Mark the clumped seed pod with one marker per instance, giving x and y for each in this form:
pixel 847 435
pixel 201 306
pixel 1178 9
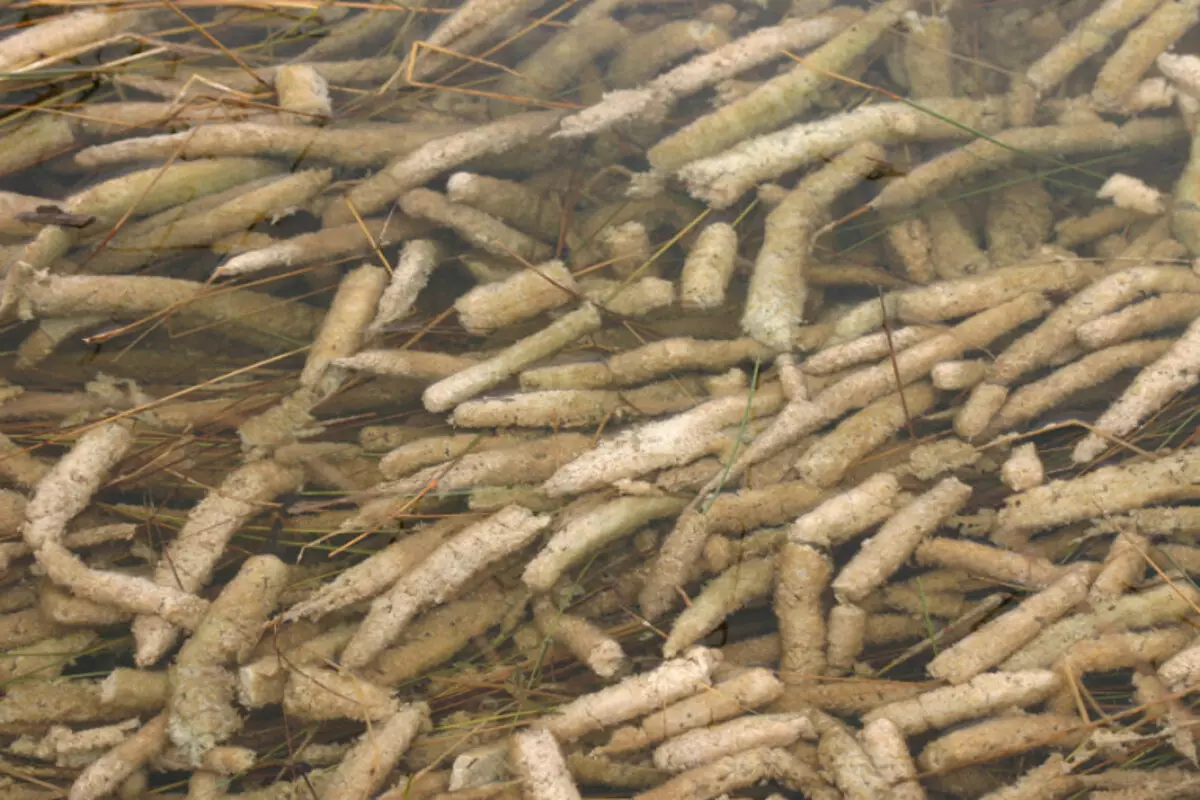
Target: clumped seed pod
pixel 200 710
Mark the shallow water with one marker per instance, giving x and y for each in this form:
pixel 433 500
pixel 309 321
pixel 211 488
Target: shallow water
pixel 265 169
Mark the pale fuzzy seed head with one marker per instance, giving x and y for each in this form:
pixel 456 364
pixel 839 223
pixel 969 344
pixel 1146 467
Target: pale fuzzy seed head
pixel 1129 192
pixel 1183 71
pixel 1023 468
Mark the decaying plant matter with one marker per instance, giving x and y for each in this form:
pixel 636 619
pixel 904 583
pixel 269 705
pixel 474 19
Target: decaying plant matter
pixel 612 398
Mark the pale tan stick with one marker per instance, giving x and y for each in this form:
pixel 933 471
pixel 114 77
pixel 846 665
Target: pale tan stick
pixel 982 695
pixel 67 488
pixel 538 761
pixel 744 691
pixel 439 576
pixel 200 710
pixel 1108 490
pixel 586 641
pixel 777 100
pixel 995 641
pixel 883 554
pixel 1176 371
pixel 417 168
pixel 342 330
pixel 106 773
pixel 447 393
pixel 189 559
pixel 364 769
pixel 632 697
pixel 701 746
